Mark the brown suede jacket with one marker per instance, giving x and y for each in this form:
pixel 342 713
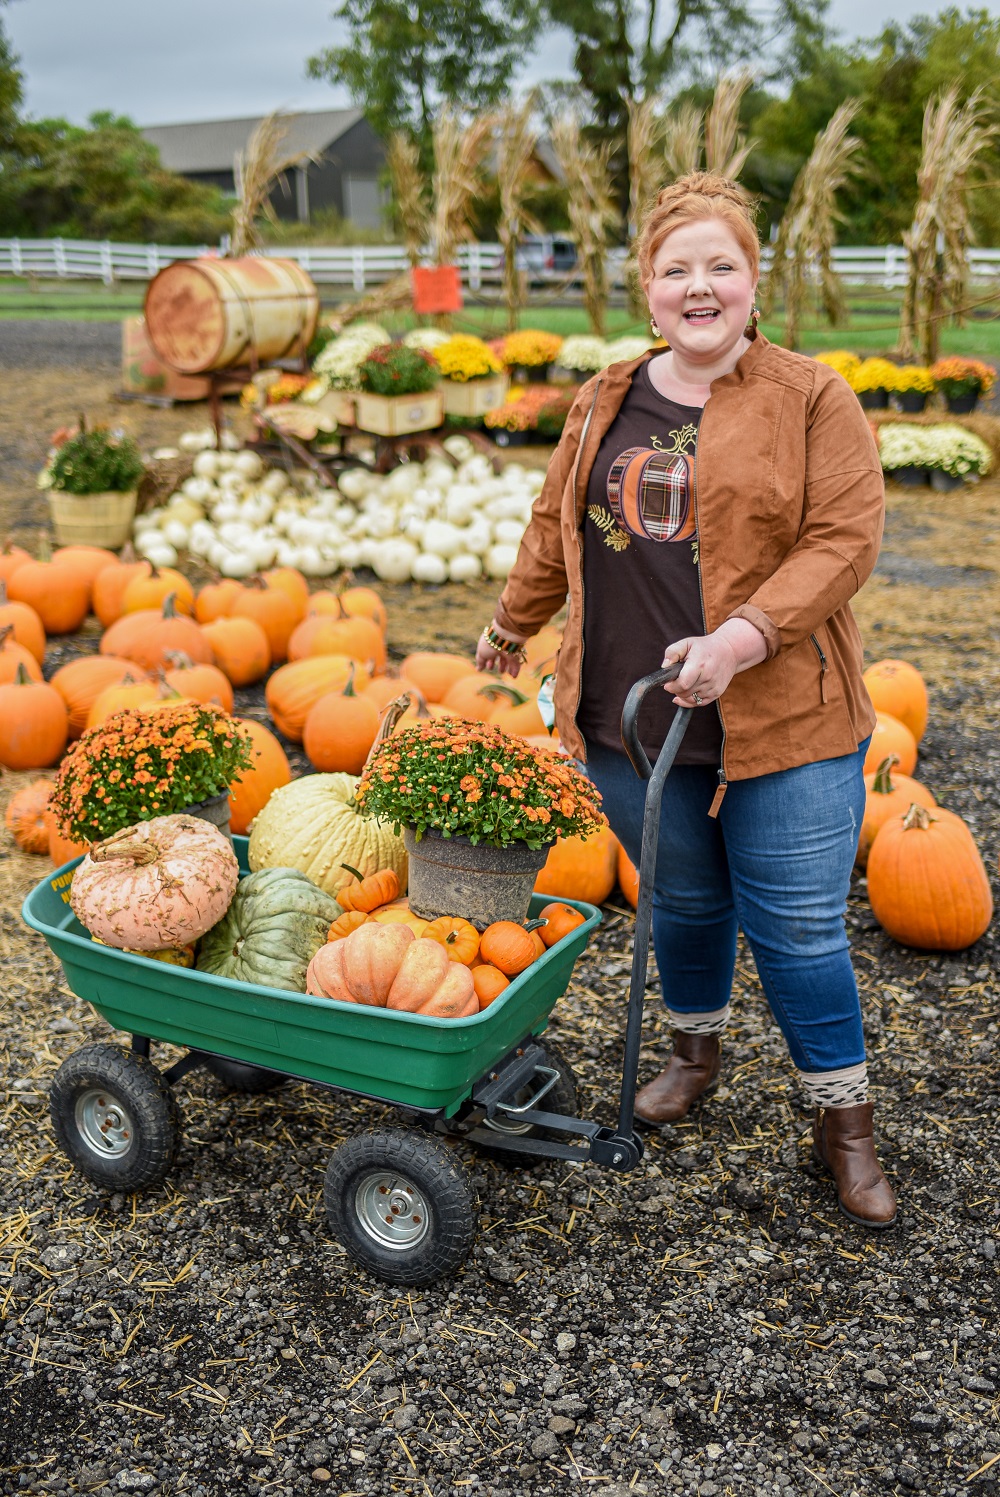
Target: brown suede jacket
pixel 789 500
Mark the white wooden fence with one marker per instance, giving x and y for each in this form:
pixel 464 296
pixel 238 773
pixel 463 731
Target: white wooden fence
pixel 358 268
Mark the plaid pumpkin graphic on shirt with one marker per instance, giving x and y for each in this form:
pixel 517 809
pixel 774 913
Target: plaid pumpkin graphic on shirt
pixel 651 494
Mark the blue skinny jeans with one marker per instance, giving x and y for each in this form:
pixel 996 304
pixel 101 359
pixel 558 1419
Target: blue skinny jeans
pixel 777 863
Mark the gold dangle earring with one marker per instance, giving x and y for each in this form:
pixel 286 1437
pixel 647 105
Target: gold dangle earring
pixel 751 326
pixel 653 328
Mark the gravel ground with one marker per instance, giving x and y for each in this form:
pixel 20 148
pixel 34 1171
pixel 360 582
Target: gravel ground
pixel 707 1324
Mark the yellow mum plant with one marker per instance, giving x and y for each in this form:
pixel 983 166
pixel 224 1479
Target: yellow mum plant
pixel 464 357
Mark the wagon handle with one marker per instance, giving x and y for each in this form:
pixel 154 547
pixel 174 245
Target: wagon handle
pixel 655 775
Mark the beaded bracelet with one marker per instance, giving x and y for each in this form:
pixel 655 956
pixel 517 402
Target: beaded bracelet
pixel 503 646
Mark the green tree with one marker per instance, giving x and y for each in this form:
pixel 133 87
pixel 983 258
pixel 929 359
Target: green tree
pixel 103 182
pixel 403 59
pixel 11 95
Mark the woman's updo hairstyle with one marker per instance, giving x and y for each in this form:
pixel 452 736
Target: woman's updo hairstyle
pixel 697 195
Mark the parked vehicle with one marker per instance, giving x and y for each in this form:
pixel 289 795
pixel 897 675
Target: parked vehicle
pixel 546 256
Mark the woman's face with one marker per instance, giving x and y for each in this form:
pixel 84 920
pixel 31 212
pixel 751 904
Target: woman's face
pixel 702 290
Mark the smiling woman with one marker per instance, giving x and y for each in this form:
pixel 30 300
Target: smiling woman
pixel 716 504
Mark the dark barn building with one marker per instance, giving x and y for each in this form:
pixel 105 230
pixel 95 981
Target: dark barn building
pixel 345 176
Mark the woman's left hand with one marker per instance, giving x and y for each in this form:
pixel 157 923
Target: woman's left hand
pixel 710 661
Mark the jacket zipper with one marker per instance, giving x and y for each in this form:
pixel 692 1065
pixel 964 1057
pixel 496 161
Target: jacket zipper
pixel 822 667
pixel 723 784
pixel 576 510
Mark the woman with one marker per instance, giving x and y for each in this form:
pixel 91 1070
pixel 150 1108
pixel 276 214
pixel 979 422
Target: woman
pixel 717 504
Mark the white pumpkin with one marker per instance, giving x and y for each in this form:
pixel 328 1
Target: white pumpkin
pixel 313 824
pixel 393 559
pixel 464 568
pixel 429 567
pixel 499 560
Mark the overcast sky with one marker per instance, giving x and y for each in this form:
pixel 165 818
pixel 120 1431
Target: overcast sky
pixel 211 59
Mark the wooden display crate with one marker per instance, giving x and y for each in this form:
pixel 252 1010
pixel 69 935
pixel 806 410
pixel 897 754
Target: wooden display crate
pixel 397 415
pixel 474 397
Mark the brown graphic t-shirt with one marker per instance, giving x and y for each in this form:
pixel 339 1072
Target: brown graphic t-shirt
pixel 640 571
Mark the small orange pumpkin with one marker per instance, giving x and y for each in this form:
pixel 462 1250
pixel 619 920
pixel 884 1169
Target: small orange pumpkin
pixel 434 672
pixel 25 816
pixel 216 599
pixel 130 691
pixel 294 689
pixel 62 849
pixel 489 982
pixel 150 590
pixel 458 937
pixel 12 655
pixel 890 736
pixel 11 557
pixel 33 723
pixel 121 637
pixel 170 633
pixel 87 561
pixel 367 894
pixel 345 923
pixel 399 913
pixel 29 632
pixel 321 635
pixel 384 689
pixel 581 868
pixel 291 582
pixel 364 602
pixel 474 697
pixel 274 610
pixel 887 795
pixel 559 919
pixel 255 786
pixel 108 588
pixel 340 730
pixel 81 682
pixel 58 593
pixel 239 648
pixel 926 881
pixel 199 683
pixel 897 687
pixel 507 946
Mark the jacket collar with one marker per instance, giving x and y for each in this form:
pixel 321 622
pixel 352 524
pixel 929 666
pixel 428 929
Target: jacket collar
pixel 619 376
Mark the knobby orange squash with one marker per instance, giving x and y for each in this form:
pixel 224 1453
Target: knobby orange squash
pixel 926 881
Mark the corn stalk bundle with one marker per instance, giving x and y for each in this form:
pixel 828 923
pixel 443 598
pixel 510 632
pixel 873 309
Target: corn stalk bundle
pixel 515 145
pixel 592 210
pixel 458 155
pixel 645 175
pixel 954 137
pixel 409 188
pixel 726 150
pixel 257 169
pixel 804 246
pixel 682 141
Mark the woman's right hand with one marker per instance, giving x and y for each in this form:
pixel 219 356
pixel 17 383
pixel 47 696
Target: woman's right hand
pixel 498 662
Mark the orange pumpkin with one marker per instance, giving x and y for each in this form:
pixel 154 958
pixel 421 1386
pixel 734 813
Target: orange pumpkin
pixel 428 982
pixel 399 913
pixel 542 648
pixel 345 923
pixel 459 938
pixel 517 714
pixel 216 599
pixel 489 982
pixel 25 816
pixel 383 689
pixel 171 633
pixel 628 877
pixel 12 655
pixel 121 637
pixel 131 691
pixel 294 689
pixel 152 589
pixel 11 557
pixel 33 723
pixel 890 736
pixel 507 946
pixel 290 581
pixel 275 612
pixel 898 688
pixel 109 586
pixel 239 648
pixel 887 795
pixel 367 894
pixel 269 771
pixel 62 849
pixel 474 697
pixel 87 561
pixel 584 869
pixel 320 635
pixel 559 919
pixel 419 711
pixel 29 631
pixel 372 955
pixel 57 592
pixel 364 602
pixel 82 681
pixel 435 672
pixel 926 881
pixel 340 730
pixel 199 683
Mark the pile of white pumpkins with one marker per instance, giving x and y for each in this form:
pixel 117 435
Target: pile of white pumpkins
pixel 426 522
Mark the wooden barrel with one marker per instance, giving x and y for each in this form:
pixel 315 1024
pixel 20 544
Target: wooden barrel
pixel 215 313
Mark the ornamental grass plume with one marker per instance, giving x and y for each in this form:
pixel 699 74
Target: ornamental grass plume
pixel 468 779
pixel 137 765
pixel 803 250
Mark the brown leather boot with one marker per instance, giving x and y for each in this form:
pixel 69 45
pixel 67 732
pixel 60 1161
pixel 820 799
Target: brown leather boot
pixel 843 1144
pixel 693 1072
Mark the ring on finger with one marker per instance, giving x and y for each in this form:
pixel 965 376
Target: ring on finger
pixel 697 698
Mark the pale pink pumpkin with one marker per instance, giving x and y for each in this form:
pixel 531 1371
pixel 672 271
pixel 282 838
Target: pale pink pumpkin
pixel 160 883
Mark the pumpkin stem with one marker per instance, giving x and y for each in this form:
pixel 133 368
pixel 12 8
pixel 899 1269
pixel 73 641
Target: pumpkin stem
pixel 919 817
pixel 21 677
pixel 5 634
pixel 511 695
pixel 359 876
pixel 130 850
pixel 882 782
pixel 534 924
pixel 178 661
pixel 170 606
pixel 348 690
pixel 127 556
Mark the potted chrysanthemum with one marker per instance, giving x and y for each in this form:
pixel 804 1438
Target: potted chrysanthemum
pixel 478 809
pixel 399 391
pixel 92 477
pixel 962 382
pixel 473 379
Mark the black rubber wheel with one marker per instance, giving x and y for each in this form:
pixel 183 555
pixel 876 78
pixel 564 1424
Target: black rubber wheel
pixel 239 1077
pixel 402 1204
pixel 562 1098
pixel 116 1117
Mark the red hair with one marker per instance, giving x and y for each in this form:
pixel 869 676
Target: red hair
pixel 699 195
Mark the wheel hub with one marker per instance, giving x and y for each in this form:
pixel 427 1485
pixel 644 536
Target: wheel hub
pixel 392 1210
pixel 104 1123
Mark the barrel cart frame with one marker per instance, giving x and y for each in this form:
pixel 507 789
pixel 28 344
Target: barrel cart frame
pixel 399 1199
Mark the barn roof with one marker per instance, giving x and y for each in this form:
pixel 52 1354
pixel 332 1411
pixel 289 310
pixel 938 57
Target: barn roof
pixel 211 145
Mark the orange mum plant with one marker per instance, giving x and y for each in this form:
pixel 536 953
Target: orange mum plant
pixel 468 779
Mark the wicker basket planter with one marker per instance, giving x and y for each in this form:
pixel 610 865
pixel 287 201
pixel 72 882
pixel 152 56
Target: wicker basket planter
pixel 92 519
pixel 396 415
pixel 474 397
